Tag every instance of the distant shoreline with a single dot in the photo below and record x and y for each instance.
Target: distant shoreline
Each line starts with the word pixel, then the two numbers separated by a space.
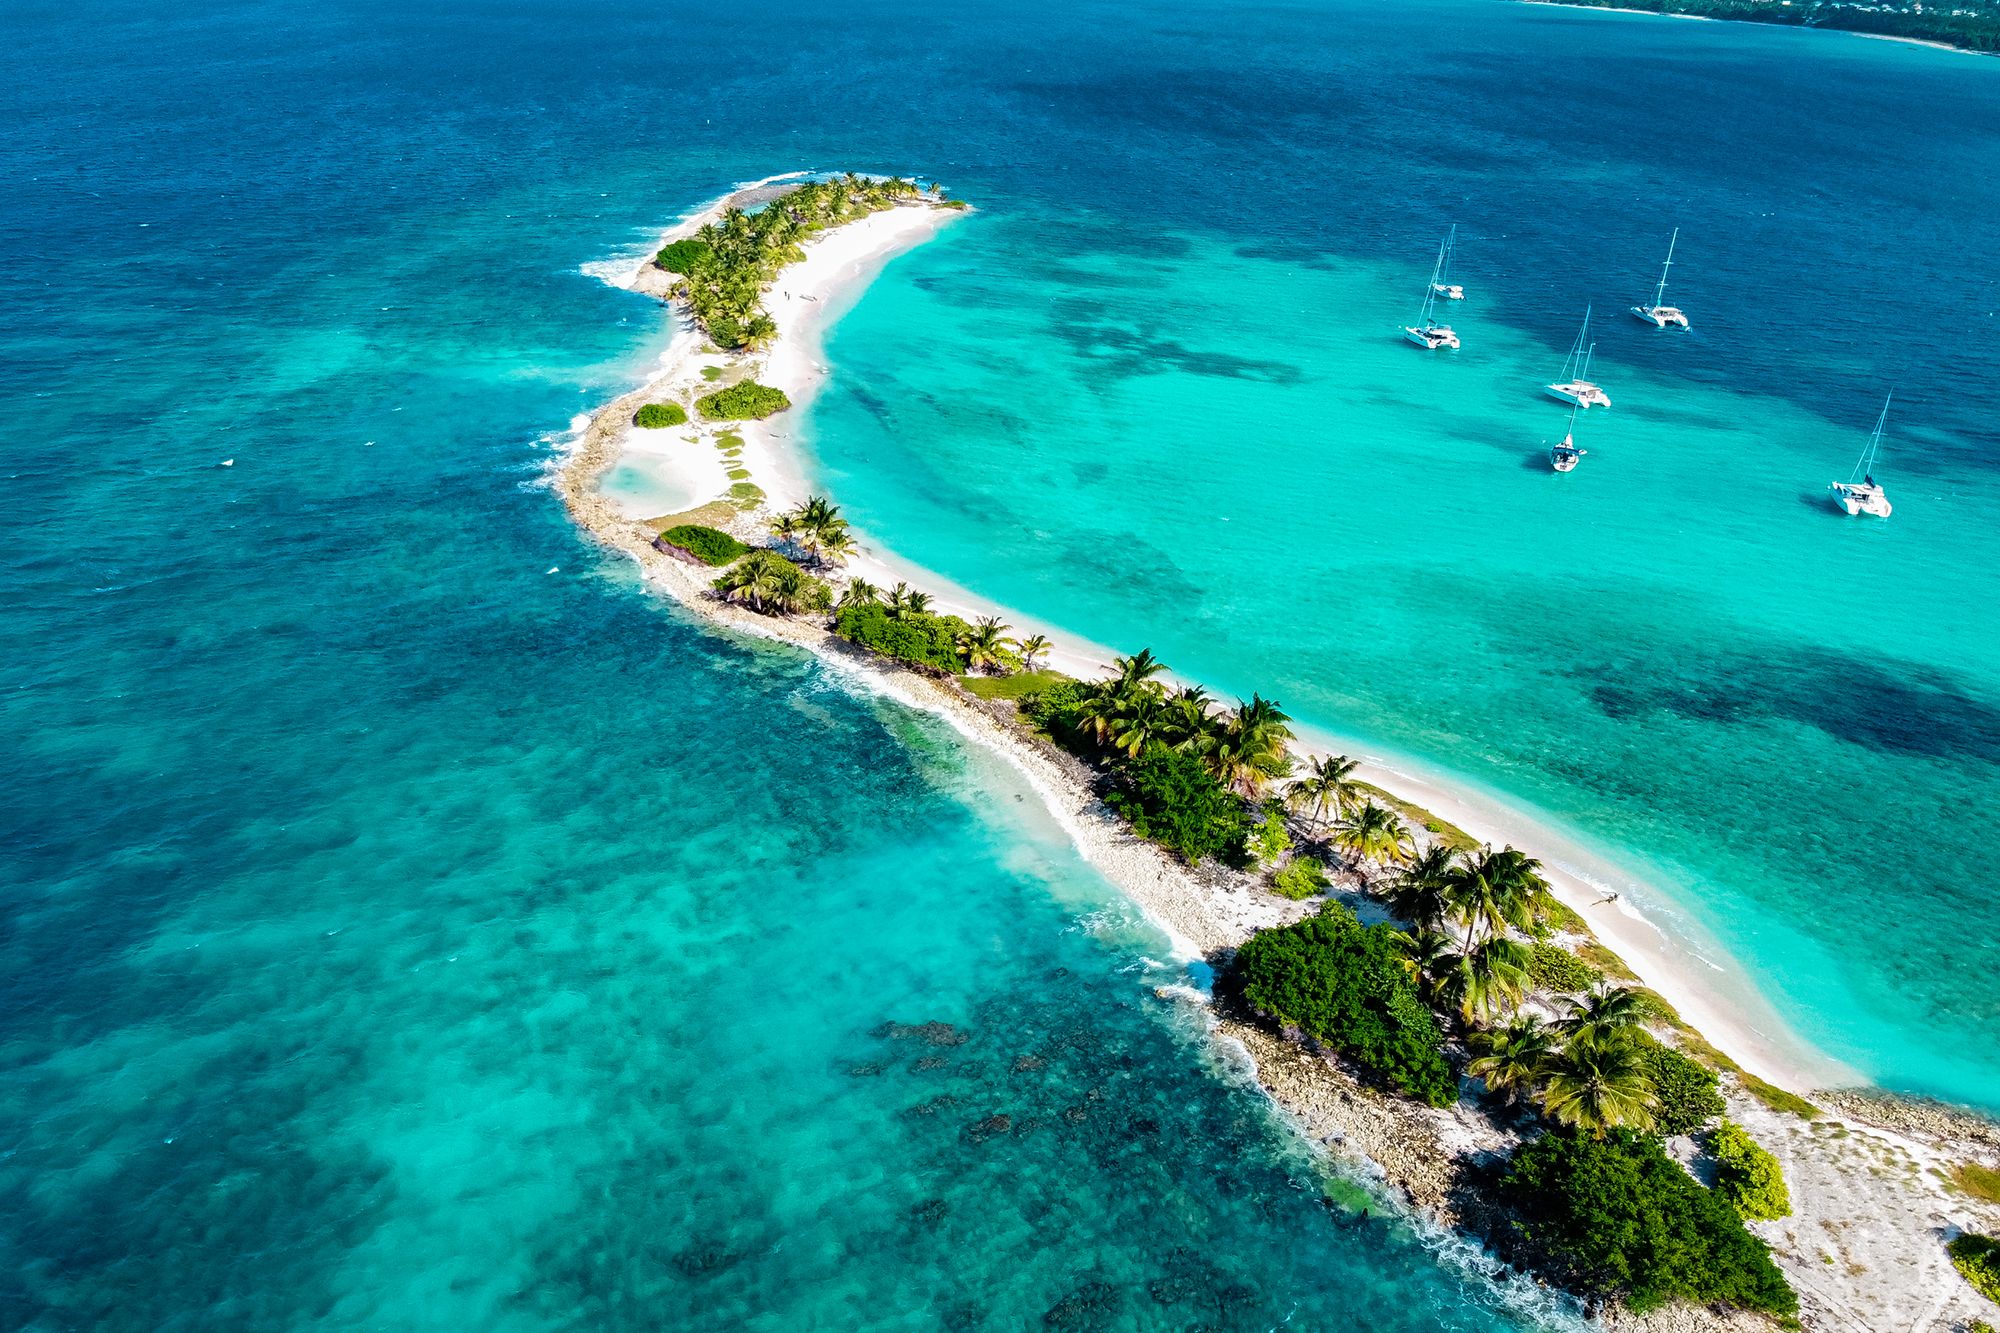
pixel 1752 8
pixel 1421 1153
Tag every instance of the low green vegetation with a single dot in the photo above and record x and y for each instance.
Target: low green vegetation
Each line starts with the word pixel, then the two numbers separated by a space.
pixel 1977 1258
pixel 1303 877
pixel 1748 1176
pixel 657 416
pixel 746 495
pixel 1614 1217
pixel 725 268
pixel 1554 968
pixel 914 638
pixel 1270 839
pixel 709 373
pixel 1345 985
pixel 1170 797
pixel 1018 686
pixel 1981 1182
pixel 737 473
pixel 1688 1095
pixel 1451 835
pixel 1777 1098
pixel 765 581
pixel 704 543
pixel 743 401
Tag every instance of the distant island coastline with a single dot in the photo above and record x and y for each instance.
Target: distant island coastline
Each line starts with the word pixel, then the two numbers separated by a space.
pixel 1424 1006
pixel 1960 27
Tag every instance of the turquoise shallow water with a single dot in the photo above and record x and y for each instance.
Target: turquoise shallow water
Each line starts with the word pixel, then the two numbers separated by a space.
pixel 1211 441
pixel 400 935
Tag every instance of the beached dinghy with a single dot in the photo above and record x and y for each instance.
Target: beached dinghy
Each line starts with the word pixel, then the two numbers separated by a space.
pixel 1860 494
pixel 1427 333
pixel 1659 314
pixel 1443 285
pixel 1565 456
pixel 1575 387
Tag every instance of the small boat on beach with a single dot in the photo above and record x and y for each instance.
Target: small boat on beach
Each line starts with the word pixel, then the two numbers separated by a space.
pixel 1659 314
pixel 1442 284
pixel 1565 456
pixel 1860 494
pixel 1575 387
pixel 1427 333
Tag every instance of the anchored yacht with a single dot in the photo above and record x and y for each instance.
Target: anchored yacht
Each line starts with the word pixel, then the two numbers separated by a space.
pixel 1442 284
pixel 1860 494
pixel 1575 386
pixel 1659 314
pixel 1427 332
pixel 1565 456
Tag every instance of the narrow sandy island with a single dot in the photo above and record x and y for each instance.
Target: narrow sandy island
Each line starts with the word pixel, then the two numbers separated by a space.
pixel 1862 1248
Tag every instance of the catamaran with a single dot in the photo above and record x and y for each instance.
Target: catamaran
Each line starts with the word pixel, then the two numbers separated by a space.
pixel 1427 332
pixel 1575 386
pixel 1659 314
pixel 1564 457
pixel 1860 494
pixel 1443 285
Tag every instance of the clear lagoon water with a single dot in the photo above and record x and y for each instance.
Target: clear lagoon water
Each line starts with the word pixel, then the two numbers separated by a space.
pixel 413 924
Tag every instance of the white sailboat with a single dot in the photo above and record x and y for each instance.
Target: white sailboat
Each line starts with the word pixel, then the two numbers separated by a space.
pixel 1427 333
pixel 1659 314
pixel 1860 494
pixel 1442 284
pixel 1575 386
pixel 1565 456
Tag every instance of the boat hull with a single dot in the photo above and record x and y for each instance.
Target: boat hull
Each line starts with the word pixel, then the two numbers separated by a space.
pixel 1431 339
pixel 1855 503
pixel 1669 320
pixel 1585 396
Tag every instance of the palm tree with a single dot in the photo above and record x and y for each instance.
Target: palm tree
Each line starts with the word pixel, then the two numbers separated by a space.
pixel 1513 1059
pixel 1032 647
pixel 1484 980
pixel 1373 834
pixel 984 645
pixel 838 546
pixel 785 527
pixel 860 592
pixel 766 581
pixel 1495 890
pixel 1421 892
pixel 1328 784
pixel 1604 1015
pixel 1250 746
pixel 1427 953
pixel 904 602
pixel 1135 671
pixel 1136 721
pixel 1595 1085
pixel 1186 723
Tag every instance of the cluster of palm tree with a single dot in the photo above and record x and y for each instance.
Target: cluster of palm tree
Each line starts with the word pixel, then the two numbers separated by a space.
pixel 1339 807
pixel 816 529
pixel 1588 1068
pixel 1461 909
pixel 765 581
pixel 1244 747
pixel 726 267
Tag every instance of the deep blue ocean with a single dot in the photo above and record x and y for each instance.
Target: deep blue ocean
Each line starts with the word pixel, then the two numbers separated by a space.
pixel 410 923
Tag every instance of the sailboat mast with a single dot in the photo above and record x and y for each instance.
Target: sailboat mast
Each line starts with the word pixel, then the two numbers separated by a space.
pixel 1660 292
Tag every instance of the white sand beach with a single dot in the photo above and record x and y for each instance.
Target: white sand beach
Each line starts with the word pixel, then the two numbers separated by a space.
pixel 1886 1223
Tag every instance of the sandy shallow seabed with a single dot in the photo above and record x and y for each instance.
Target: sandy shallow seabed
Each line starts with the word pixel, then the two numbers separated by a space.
pixel 1864 1248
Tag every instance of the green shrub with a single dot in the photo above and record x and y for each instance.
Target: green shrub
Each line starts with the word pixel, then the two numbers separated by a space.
pixel 1554 968
pixel 743 401
pixel 919 640
pixel 685 256
pixel 1270 840
pixel 657 416
pixel 1053 711
pixel 705 544
pixel 1979 1326
pixel 1345 986
pixel 1303 878
pixel 1977 1258
pixel 1748 1176
pixel 1170 797
pixel 1689 1095
pixel 1617 1218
